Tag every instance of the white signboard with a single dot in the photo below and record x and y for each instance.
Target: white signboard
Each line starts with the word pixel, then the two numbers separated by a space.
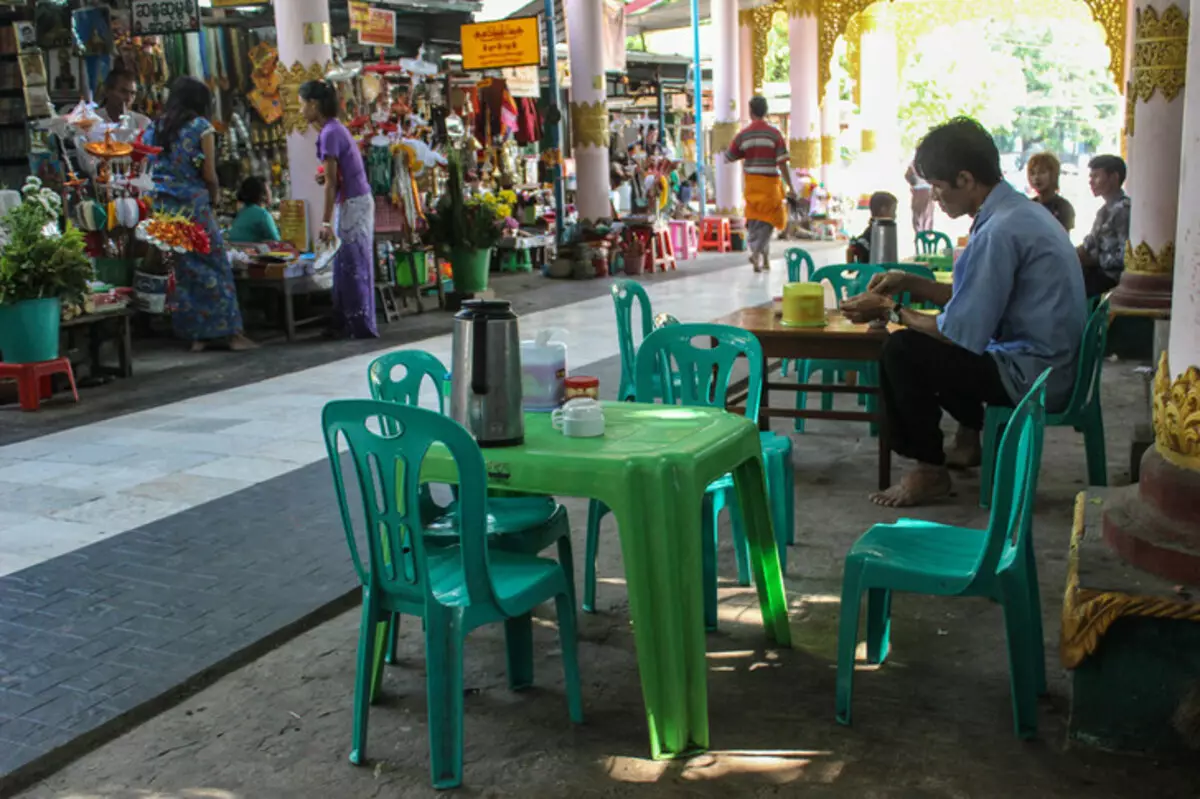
pixel 154 17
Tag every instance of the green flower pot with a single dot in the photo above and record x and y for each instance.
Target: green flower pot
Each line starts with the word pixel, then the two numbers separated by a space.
pixel 470 269
pixel 29 331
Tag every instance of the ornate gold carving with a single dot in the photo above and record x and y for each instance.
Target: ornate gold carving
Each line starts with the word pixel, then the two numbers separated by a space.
pixel 1176 410
pixel 868 141
pixel 805 153
pixel 802 8
pixel 836 17
pixel 290 81
pixel 1087 613
pixel 764 18
pixel 589 124
pixel 722 136
pixel 1144 261
pixel 829 153
pixel 1159 53
pixel 731 213
pixel 1130 108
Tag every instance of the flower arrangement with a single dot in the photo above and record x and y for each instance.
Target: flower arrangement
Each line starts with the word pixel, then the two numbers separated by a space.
pixel 458 222
pixel 173 233
pixel 36 260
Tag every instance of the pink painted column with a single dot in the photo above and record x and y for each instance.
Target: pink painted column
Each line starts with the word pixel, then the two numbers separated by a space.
pixel 880 95
pixel 831 128
pixel 726 105
pixel 1126 132
pixel 804 124
pixel 589 113
pixel 291 17
pixel 1156 123
pixel 1184 346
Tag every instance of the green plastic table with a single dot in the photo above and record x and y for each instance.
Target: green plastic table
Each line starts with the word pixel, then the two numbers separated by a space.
pixel 651 468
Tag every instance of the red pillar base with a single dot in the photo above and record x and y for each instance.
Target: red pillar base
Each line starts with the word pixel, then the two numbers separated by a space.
pixel 1155 525
pixel 1138 291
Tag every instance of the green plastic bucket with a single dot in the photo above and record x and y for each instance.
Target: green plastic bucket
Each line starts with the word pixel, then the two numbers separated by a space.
pixel 404 276
pixel 116 271
pixel 29 331
pixel 470 270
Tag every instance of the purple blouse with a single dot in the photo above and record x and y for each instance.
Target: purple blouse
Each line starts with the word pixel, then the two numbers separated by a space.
pixel 336 142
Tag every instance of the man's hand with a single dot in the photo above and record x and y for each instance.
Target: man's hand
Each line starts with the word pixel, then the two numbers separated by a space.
pixel 893 281
pixel 868 307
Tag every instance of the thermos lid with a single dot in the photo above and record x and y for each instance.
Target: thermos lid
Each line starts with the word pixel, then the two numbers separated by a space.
pixel 881 222
pixel 490 309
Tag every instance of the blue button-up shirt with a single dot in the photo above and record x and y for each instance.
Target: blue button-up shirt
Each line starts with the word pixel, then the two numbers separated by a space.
pixel 1019 296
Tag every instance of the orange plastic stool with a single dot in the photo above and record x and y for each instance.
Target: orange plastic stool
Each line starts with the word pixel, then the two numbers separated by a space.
pixel 715 235
pixel 664 250
pixel 34 380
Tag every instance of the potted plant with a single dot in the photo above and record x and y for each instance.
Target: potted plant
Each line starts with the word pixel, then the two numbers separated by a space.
pixel 466 229
pixel 40 269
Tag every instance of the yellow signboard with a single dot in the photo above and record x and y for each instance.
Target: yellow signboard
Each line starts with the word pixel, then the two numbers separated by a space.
pixel 360 11
pixel 293 223
pixel 379 30
pixel 504 43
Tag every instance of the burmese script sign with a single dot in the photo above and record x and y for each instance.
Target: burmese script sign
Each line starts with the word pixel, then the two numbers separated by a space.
pixel 504 43
pixel 155 17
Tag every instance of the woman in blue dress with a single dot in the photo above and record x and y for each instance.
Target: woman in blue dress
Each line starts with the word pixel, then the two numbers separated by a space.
pixel 203 304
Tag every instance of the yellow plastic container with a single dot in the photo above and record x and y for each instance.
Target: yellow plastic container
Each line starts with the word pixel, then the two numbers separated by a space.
pixel 803 305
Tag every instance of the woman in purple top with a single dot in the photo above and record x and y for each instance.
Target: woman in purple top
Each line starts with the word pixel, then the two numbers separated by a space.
pixel 348 193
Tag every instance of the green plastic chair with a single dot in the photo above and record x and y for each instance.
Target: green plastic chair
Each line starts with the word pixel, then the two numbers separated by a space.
pixel 519 523
pixel 847 280
pixel 1083 410
pixel 942 560
pixel 932 242
pixel 700 377
pixel 920 270
pixel 452 589
pixel 624 294
pixel 799 265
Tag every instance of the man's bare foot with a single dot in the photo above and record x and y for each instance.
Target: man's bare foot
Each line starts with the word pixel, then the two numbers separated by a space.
pixel 754 261
pixel 966 453
pixel 922 485
pixel 198 346
pixel 240 343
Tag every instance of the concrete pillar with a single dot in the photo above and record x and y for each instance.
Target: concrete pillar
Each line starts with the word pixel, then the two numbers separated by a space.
pixel 1155 524
pixel 300 61
pixel 589 113
pixel 831 124
pixel 880 92
pixel 746 84
pixel 804 124
pixel 1127 128
pixel 1160 63
pixel 726 105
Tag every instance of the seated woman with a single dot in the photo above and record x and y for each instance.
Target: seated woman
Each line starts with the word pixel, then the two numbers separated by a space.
pixel 254 223
pixel 1042 171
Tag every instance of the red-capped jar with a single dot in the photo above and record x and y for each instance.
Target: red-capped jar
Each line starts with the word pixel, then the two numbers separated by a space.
pixel 583 387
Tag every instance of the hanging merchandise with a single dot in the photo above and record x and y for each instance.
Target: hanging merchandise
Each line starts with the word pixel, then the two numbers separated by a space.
pixel 379 165
pixel 612 35
pixel 264 97
pixel 92 28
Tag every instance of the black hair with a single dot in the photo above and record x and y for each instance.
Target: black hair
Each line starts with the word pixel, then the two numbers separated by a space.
pixel 960 145
pixel 253 191
pixel 758 107
pixel 882 201
pixel 189 99
pixel 325 95
pixel 117 75
pixel 1113 164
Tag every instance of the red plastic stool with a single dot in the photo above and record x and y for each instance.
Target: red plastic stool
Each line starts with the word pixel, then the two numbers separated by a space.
pixel 34 380
pixel 715 234
pixel 664 250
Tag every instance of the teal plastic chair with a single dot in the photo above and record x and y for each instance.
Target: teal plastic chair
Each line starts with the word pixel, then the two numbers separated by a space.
pixel 1083 410
pixel 942 560
pixel 700 377
pixel 847 280
pixel 799 265
pixel 451 589
pixel 920 270
pixel 932 242
pixel 520 523
pixel 624 294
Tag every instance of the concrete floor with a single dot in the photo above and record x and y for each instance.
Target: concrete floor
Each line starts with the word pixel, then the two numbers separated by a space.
pixel 935 721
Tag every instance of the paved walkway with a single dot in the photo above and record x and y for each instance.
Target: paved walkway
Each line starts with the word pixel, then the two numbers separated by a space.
pixel 140 554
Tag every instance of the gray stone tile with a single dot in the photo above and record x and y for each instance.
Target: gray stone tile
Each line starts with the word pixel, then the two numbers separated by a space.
pixel 200 425
pixel 41 499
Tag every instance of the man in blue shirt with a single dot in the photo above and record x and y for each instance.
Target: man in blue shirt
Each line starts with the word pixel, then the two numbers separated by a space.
pixel 1016 307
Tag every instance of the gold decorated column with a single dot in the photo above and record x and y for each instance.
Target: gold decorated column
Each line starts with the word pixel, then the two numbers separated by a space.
pixel 1154 122
pixel 804 124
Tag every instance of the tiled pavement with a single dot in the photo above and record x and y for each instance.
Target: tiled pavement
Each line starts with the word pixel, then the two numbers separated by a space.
pixel 145 555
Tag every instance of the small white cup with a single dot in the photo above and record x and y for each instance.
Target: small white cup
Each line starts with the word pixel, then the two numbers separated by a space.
pixel 581 417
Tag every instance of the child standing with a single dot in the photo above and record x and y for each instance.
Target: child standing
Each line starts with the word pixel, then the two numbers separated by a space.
pixel 883 205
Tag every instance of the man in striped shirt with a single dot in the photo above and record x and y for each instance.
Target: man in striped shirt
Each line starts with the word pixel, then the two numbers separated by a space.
pixel 764 157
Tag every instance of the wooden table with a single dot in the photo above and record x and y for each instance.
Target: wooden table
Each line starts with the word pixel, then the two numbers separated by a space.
pixel 838 340
pixel 93 322
pixel 286 289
